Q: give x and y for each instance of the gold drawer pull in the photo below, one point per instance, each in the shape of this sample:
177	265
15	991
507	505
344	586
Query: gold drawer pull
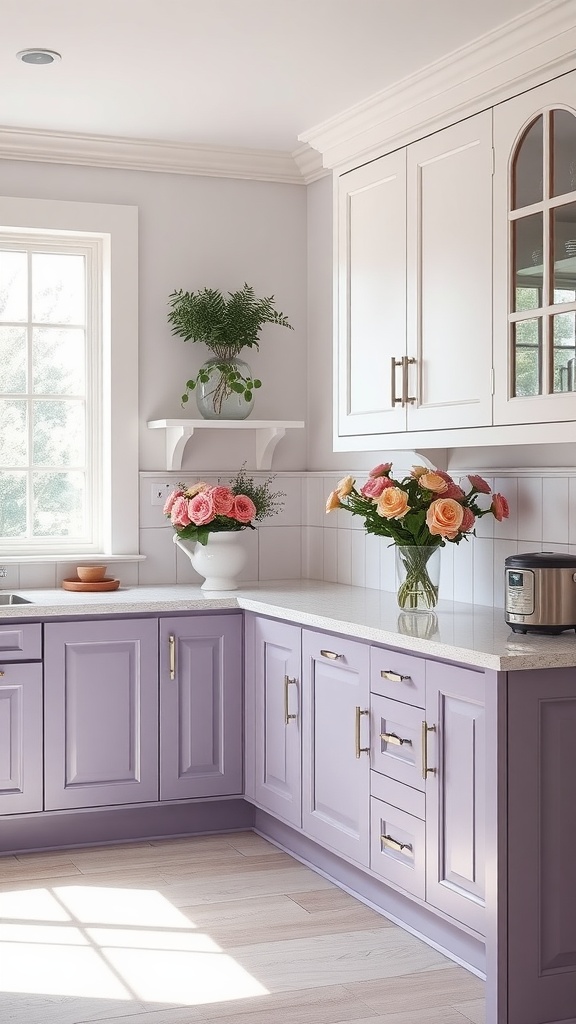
425	730
395	845
331	655
393	677
398	741
1	673
287	716
359	749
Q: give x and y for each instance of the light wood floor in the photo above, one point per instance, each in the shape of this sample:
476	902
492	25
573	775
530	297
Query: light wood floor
223	929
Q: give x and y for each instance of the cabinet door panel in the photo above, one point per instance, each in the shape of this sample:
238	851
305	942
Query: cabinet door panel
336	781
20	738
101	716
201	707
450	276
455	793
372	294
278	719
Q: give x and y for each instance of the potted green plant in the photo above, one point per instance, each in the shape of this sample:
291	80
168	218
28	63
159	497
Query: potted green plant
224	384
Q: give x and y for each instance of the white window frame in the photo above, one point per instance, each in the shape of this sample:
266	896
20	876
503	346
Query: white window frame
116	228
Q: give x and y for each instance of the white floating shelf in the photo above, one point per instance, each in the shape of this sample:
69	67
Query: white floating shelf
268	434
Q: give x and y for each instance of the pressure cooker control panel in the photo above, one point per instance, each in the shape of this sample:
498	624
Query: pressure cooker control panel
520	591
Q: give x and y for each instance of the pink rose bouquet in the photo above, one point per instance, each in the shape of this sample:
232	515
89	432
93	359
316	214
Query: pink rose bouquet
419	513
199	509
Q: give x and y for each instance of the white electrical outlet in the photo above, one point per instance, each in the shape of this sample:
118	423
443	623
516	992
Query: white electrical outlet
160	491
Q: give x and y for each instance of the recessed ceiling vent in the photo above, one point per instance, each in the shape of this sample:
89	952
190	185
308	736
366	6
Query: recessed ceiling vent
38	55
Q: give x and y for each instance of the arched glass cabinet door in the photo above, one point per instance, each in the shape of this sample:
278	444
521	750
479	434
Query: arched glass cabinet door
542	238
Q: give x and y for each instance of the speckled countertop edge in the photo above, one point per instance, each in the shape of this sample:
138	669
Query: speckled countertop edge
472	634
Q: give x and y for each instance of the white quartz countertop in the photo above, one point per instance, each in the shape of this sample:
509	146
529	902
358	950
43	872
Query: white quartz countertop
473	634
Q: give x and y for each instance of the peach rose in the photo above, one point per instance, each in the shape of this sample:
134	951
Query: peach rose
381	470
191	492
444	518
500	508
201	508
374	487
433	482
333	501
392	503
223	500
180	514
244	508
418	471
345	486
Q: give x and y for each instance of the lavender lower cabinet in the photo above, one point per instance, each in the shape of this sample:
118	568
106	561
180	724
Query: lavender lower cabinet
274	668
20	738
454	764
200	706
336	754
101	712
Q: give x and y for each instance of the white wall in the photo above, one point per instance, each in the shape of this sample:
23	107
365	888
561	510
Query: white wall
197	232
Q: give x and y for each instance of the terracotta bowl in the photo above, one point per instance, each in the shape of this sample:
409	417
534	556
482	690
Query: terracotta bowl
91	573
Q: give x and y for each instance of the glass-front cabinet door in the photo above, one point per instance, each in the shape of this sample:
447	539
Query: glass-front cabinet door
535	255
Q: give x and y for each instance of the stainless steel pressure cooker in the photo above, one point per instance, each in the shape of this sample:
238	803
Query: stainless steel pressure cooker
540	592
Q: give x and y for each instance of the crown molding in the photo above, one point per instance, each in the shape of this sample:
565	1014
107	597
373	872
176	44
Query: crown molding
309	163
147	155
524	53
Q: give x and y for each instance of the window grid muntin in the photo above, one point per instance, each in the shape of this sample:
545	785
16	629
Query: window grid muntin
90	247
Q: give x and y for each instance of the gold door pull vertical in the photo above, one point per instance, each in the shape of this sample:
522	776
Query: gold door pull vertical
425	730
393	400
287	716
406	362
359	749
172	655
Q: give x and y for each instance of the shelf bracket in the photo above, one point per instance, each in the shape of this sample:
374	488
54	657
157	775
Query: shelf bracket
176	440
266	440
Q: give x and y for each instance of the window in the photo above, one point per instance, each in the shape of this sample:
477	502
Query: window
68	379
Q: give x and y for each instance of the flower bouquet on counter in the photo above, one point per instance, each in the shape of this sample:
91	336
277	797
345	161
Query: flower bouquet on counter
197	510
419	514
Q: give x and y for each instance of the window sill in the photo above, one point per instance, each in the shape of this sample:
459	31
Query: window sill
78	558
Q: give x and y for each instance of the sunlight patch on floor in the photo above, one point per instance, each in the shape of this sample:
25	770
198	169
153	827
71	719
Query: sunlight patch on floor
113	943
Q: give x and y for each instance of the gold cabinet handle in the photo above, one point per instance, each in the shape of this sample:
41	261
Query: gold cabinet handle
425	730
1	673
392	677
359	749
398	741
393	400
331	655
172	655
406	362
394	844
287	716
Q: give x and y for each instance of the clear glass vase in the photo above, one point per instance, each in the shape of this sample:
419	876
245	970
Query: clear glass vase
417	577
215	396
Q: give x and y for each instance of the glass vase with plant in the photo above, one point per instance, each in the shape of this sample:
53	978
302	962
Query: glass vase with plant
419	513
224	385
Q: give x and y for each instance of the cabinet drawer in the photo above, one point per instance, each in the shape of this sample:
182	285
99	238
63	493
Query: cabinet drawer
21	642
403	797
397	847
396	742
399	676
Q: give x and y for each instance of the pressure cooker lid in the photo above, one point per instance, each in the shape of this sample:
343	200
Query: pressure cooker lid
541	560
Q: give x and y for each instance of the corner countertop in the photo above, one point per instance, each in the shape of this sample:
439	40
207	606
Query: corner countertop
473	634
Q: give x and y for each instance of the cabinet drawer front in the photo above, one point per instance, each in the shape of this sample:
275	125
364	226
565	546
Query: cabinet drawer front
396	743
397	847
403	797
399	676
21	642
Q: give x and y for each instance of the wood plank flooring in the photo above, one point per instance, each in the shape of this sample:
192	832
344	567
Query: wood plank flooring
223	929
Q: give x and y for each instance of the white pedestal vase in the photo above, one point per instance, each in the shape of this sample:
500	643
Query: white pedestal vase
220	561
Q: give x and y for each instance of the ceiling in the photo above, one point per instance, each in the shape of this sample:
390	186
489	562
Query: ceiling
237	73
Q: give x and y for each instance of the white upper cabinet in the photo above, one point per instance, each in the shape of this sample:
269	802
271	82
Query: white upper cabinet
535	255
414	250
